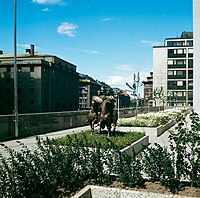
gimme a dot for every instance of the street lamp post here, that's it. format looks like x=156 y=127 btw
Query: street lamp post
x=15 y=73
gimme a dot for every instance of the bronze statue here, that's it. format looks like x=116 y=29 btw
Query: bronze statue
x=102 y=113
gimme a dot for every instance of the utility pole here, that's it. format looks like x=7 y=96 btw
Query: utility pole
x=15 y=72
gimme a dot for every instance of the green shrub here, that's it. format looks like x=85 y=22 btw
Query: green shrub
x=129 y=168
x=159 y=166
x=186 y=144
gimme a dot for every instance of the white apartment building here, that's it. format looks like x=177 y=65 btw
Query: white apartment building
x=173 y=69
x=196 y=30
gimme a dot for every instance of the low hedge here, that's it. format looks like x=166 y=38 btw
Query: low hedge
x=119 y=139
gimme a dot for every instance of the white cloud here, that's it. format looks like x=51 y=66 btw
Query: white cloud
x=124 y=73
x=46 y=10
x=123 y=68
x=114 y=80
x=25 y=46
x=90 y=51
x=67 y=29
x=106 y=19
x=52 y=2
x=151 y=43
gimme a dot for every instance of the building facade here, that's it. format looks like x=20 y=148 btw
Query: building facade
x=173 y=69
x=88 y=87
x=196 y=30
x=46 y=83
x=148 y=90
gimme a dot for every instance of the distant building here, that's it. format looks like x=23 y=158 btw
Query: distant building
x=46 y=83
x=122 y=98
x=173 y=69
x=148 y=89
x=88 y=87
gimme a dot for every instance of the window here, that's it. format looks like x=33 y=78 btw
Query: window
x=179 y=83
x=32 y=79
x=190 y=63
x=180 y=62
x=189 y=43
x=190 y=83
x=19 y=68
x=190 y=50
x=31 y=101
x=190 y=94
x=170 y=72
x=180 y=51
x=180 y=43
x=180 y=73
x=8 y=69
x=31 y=69
x=170 y=62
x=180 y=93
x=169 y=43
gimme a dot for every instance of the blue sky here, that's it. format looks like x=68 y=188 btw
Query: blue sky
x=109 y=40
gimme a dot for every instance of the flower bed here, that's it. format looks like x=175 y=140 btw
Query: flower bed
x=151 y=119
x=151 y=131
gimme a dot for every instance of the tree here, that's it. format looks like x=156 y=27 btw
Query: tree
x=158 y=95
x=135 y=89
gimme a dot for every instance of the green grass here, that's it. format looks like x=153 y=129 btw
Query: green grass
x=119 y=139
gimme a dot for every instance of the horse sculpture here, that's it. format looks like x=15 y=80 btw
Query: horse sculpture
x=102 y=113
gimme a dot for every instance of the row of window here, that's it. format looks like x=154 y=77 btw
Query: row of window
x=32 y=79
x=179 y=43
x=180 y=52
x=179 y=84
x=179 y=73
x=181 y=62
x=179 y=93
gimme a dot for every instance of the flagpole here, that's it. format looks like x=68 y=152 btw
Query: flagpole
x=15 y=73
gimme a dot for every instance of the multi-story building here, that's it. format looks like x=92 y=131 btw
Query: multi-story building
x=196 y=30
x=88 y=87
x=46 y=83
x=173 y=69
x=148 y=90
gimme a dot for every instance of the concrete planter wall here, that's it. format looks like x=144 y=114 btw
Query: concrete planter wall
x=151 y=131
x=138 y=146
x=105 y=192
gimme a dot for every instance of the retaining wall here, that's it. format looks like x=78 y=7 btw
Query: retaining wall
x=39 y=123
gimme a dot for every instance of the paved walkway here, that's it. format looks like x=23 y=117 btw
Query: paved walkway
x=30 y=142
